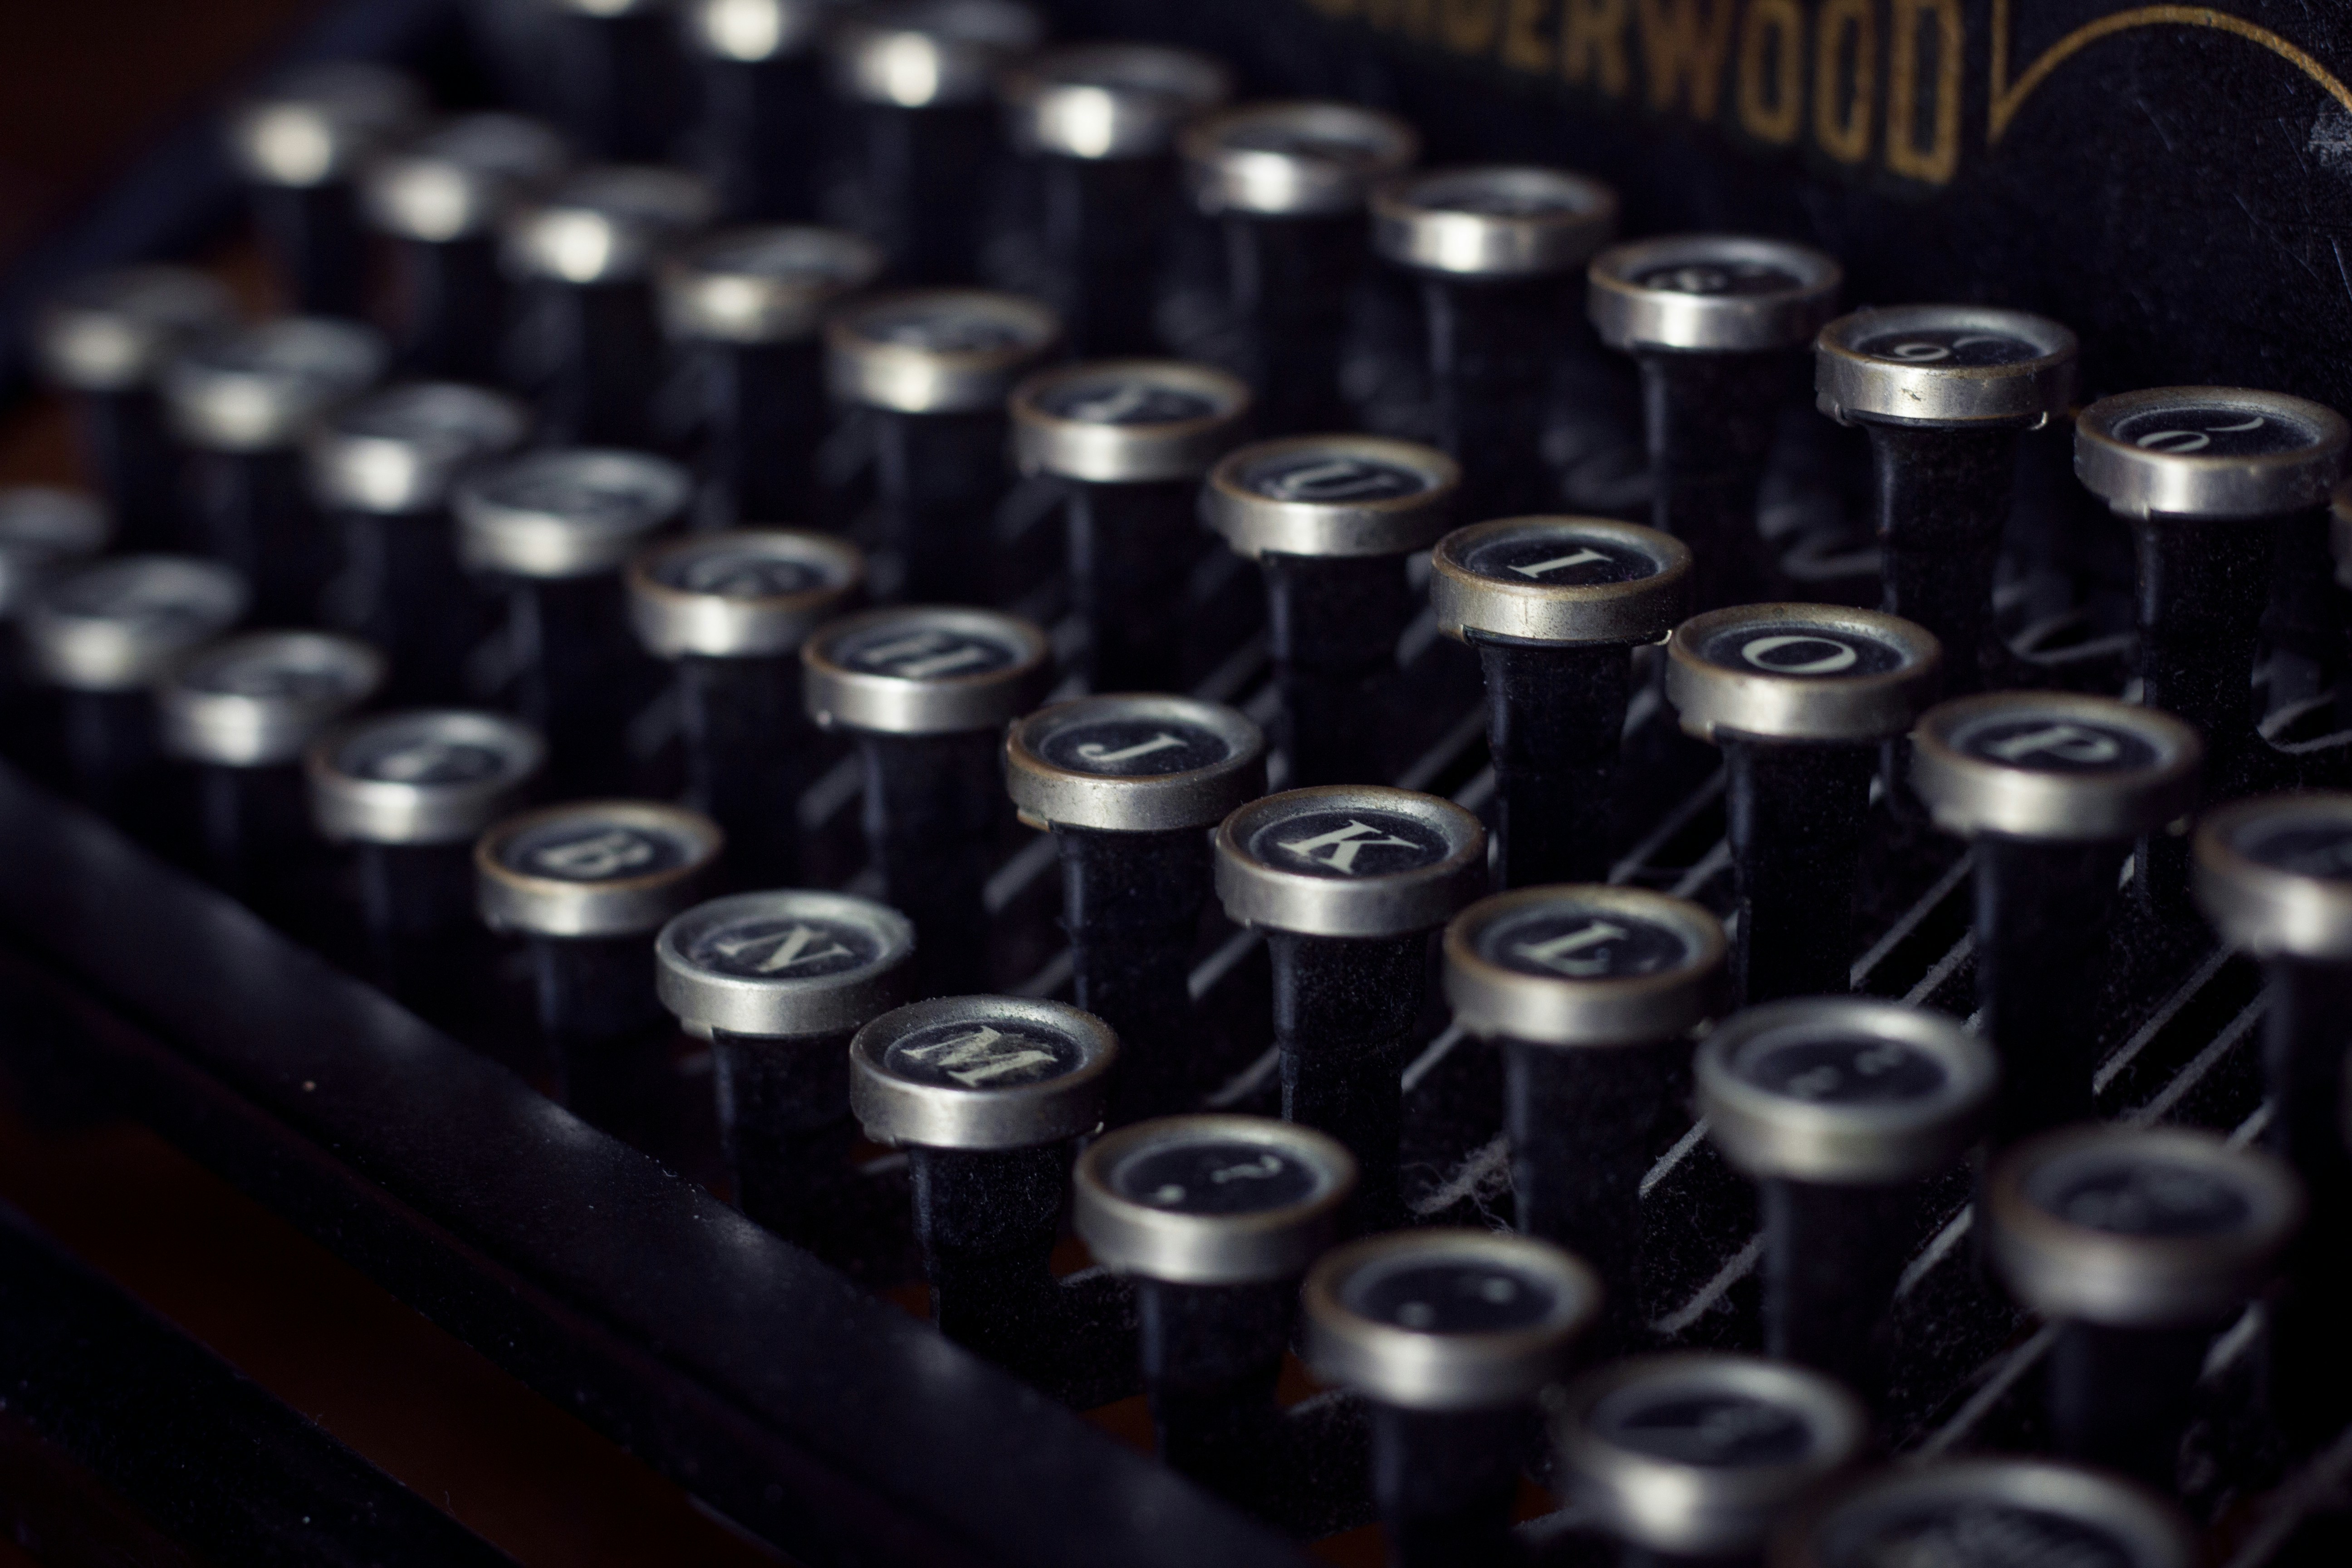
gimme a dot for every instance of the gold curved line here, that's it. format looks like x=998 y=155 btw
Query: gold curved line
x=2008 y=99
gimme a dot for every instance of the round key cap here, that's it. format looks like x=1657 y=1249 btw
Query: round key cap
x=1798 y=698
x=1712 y=321
x=1992 y=1514
x=921 y=77
x=1701 y=1455
x=1448 y=1335
x=1098 y=125
x=440 y=200
x=1346 y=882
x=1944 y=392
x=612 y=69
x=1127 y=784
x=1329 y=520
x=933 y=368
x=2209 y=478
x=2053 y=789
x=747 y=304
x=607 y=224
x=43 y=528
x=383 y=467
x=1553 y=606
x=924 y=693
x=987 y=1095
x=759 y=66
x=1838 y=1107
x=729 y=612
x=1591 y=991
x=424 y=778
x=1495 y=251
x=1131 y=438
x=300 y=144
x=1288 y=181
x=1214 y=1219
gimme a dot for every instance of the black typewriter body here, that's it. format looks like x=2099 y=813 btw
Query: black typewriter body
x=2163 y=180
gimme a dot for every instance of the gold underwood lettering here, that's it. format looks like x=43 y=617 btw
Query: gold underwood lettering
x=1525 y=47
x=1592 y=44
x=1937 y=157
x=1469 y=25
x=1771 y=90
x=1842 y=123
x=1682 y=45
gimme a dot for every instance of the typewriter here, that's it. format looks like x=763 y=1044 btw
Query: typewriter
x=1436 y=782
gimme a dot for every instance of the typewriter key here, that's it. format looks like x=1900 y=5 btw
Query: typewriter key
x=1714 y=321
x=440 y=200
x=1592 y=992
x=1130 y=439
x=586 y=885
x=299 y=144
x=617 y=75
x=1348 y=883
x=243 y=712
x=1214 y=1219
x=925 y=693
x=589 y=343
x=1130 y=785
x=748 y=303
x=2142 y=1243
x=1288 y=182
x=1448 y=1335
x=988 y=1095
x=2051 y=789
x=243 y=403
x=103 y=341
x=1496 y=251
x=1694 y=1458
x=381 y=468
x=1989 y=1513
x=1554 y=607
x=104 y=634
x=44 y=529
x=1329 y=520
x=921 y=76
x=780 y=981
x=1797 y=697
x=1099 y=123
x=1838 y=1107
x=933 y=367
x=758 y=66
x=2275 y=876
x=729 y=612
x=554 y=529
x=1944 y=392
x=2208 y=477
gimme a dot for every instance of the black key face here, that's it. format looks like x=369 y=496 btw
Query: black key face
x=1498 y=197
x=1577 y=943
x=157 y=600
x=1719 y=278
x=2129 y=1193
x=1714 y=1428
x=811 y=258
x=1810 y=653
x=1986 y=1534
x=492 y=143
x=434 y=416
x=972 y=1055
x=2053 y=744
x=1319 y=144
x=735 y=571
x=269 y=675
x=1960 y=348
x=330 y=357
x=1839 y=1069
x=1557 y=560
x=766 y=947
x=2192 y=431
x=1134 y=748
x=599 y=500
x=412 y=758
x=588 y=851
x=1125 y=400
x=2316 y=846
x=1215 y=1176
x=1343 y=844
x=937 y=329
x=1333 y=479
x=43 y=522
x=925 y=653
x=1449 y=1296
